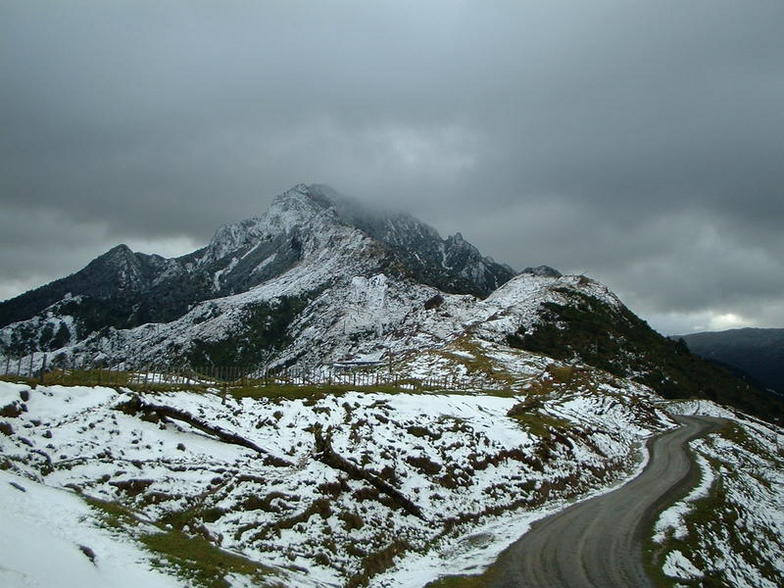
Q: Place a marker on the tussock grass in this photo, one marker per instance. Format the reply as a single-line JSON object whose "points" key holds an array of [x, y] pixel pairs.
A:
{"points": [[191, 558], [459, 582], [196, 560], [112, 514]]}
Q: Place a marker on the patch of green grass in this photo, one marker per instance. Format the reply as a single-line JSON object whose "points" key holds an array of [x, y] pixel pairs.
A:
{"points": [[112, 514], [377, 562], [275, 390], [459, 582], [103, 377], [563, 374], [540, 424], [93, 377], [479, 362], [705, 513], [19, 380], [195, 559], [162, 388], [190, 558], [736, 434], [179, 518]]}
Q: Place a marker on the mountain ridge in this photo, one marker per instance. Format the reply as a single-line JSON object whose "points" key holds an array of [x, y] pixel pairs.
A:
{"points": [[253, 241], [318, 279], [757, 351]]}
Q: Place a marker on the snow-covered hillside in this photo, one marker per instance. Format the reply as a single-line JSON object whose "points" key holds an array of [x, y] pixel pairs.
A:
{"points": [[319, 280], [351, 487], [50, 536], [346, 487], [730, 529], [354, 316]]}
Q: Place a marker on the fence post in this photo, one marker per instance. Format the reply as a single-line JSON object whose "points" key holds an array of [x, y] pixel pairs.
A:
{"points": [[43, 368]]}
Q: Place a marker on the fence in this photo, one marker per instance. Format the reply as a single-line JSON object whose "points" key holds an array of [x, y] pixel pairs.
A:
{"points": [[39, 368]]}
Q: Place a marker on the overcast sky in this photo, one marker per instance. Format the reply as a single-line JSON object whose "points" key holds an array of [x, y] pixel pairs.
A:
{"points": [[641, 143]]}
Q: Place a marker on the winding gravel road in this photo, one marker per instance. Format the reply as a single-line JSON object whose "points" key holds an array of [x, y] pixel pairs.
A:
{"points": [[598, 543]]}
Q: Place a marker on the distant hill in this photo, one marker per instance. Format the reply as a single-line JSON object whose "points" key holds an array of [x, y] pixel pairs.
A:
{"points": [[758, 352]]}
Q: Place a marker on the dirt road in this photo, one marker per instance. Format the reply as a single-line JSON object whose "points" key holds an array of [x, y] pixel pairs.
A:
{"points": [[598, 543]]}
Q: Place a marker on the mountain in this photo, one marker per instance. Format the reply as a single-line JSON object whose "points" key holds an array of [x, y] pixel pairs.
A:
{"points": [[758, 352], [318, 279], [123, 289], [582, 320], [452, 265], [511, 397]]}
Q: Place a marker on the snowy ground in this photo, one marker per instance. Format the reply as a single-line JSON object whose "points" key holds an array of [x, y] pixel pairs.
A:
{"points": [[730, 528], [349, 488], [47, 536], [478, 468]]}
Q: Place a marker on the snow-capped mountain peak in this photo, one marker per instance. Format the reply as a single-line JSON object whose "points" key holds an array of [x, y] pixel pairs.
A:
{"points": [[310, 238]]}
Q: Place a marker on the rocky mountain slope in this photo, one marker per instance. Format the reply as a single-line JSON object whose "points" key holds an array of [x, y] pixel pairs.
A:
{"points": [[124, 289], [309, 239], [318, 279]]}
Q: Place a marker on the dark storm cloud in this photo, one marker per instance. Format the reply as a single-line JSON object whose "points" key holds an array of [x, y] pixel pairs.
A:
{"points": [[637, 142]]}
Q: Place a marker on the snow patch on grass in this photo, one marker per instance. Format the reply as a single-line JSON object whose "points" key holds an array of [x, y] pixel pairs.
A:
{"points": [[47, 534], [731, 527], [479, 467], [671, 520]]}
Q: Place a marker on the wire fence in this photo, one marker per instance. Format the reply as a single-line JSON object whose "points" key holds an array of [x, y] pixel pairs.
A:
{"points": [[39, 368]]}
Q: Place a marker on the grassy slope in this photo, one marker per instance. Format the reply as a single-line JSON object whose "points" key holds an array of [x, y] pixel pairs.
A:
{"points": [[621, 343]]}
